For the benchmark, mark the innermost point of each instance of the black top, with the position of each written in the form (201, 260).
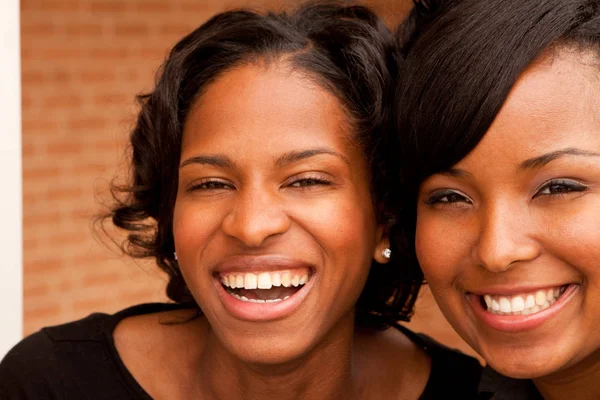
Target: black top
(495, 386)
(79, 361)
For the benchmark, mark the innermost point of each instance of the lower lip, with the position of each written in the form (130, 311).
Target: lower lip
(248, 311)
(521, 323)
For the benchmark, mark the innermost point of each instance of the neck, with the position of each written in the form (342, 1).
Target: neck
(326, 372)
(582, 381)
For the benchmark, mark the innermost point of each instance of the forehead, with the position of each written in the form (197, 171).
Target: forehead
(265, 104)
(554, 104)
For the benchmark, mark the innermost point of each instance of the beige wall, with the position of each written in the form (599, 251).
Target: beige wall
(82, 63)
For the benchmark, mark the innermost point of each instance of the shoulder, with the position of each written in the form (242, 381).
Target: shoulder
(29, 369)
(32, 369)
(63, 360)
(453, 373)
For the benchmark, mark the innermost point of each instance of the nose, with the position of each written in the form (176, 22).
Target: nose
(505, 238)
(256, 216)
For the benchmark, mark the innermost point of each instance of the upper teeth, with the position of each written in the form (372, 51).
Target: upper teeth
(523, 304)
(264, 280)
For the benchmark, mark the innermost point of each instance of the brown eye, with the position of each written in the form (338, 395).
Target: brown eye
(447, 197)
(210, 184)
(559, 187)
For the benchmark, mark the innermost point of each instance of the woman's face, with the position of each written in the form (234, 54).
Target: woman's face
(274, 224)
(509, 238)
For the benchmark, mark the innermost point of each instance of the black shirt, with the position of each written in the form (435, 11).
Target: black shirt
(79, 361)
(495, 386)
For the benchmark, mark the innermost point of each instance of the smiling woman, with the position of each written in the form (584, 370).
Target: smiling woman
(502, 165)
(253, 187)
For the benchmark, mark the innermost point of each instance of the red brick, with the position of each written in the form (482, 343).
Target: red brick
(98, 76)
(40, 173)
(42, 266)
(104, 6)
(113, 99)
(83, 29)
(89, 123)
(31, 126)
(176, 30)
(62, 194)
(131, 29)
(33, 77)
(48, 218)
(159, 7)
(36, 291)
(66, 101)
(65, 148)
(38, 29)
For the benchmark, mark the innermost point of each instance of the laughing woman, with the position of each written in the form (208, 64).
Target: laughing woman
(500, 125)
(252, 188)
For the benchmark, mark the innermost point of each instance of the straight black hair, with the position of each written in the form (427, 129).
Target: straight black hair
(461, 59)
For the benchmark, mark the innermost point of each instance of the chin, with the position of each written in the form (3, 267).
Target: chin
(269, 350)
(525, 363)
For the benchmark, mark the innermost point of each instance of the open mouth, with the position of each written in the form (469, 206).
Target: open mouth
(265, 287)
(524, 303)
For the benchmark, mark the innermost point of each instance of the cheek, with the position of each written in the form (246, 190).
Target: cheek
(344, 226)
(438, 250)
(193, 226)
(574, 237)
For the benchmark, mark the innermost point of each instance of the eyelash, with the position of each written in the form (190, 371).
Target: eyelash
(308, 181)
(564, 186)
(301, 183)
(437, 198)
(556, 187)
(210, 184)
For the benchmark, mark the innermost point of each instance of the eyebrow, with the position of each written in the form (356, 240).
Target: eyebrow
(295, 156)
(456, 173)
(222, 161)
(215, 160)
(540, 161)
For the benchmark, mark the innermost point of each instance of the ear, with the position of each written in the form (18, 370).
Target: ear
(383, 242)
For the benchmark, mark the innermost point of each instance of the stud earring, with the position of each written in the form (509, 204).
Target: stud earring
(386, 253)
(175, 255)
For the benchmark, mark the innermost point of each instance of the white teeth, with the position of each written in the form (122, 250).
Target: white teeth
(264, 281)
(540, 298)
(488, 300)
(244, 298)
(517, 304)
(276, 279)
(286, 279)
(495, 305)
(522, 304)
(239, 281)
(250, 281)
(529, 301)
(504, 304)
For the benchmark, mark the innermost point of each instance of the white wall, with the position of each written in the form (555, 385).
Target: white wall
(11, 292)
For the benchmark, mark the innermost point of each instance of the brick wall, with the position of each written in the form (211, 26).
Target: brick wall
(82, 63)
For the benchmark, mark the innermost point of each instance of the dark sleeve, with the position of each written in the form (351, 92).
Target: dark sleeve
(30, 370)
(454, 375)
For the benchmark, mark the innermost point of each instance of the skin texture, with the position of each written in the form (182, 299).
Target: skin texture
(315, 209)
(499, 226)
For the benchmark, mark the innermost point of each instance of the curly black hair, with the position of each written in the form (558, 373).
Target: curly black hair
(461, 58)
(346, 49)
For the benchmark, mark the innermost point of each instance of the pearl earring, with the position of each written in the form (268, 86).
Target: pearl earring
(386, 253)
(175, 255)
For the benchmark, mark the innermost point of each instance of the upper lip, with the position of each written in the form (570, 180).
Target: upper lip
(510, 290)
(260, 263)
